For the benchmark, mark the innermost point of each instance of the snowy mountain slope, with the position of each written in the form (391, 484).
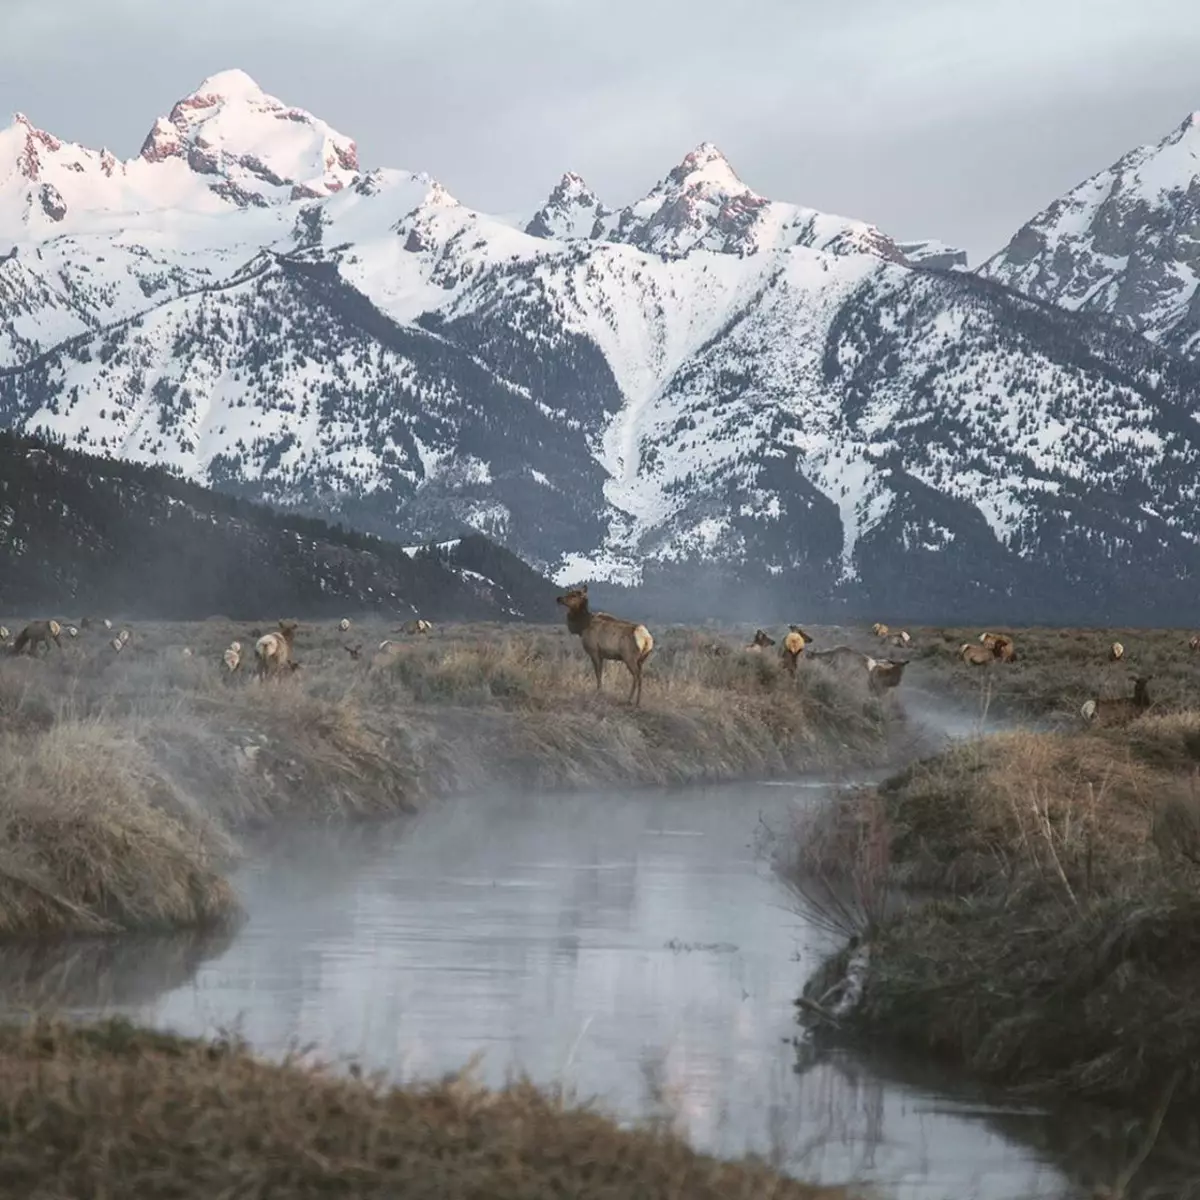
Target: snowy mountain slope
(703, 380)
(1125, 243)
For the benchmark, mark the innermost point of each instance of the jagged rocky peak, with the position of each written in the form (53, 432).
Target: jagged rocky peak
(571, 211)
(935, 254)
(703, 204)
(230, 127)
(1125, 242)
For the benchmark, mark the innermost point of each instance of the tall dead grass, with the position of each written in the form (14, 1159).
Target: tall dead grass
(125, 778)
(1042, 925)
(91, 841)
(115, 1111)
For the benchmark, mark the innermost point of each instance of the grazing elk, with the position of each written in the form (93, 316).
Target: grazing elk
(880, 630)
(843, 656)
(607, 638)
(1001, 646)
(420, 625)
(793, 647)
(273, 651)
(35, 635)
(903, 638)
(976, 656)
(1120, 710)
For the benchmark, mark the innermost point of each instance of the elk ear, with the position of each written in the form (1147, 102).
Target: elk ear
(583, 589)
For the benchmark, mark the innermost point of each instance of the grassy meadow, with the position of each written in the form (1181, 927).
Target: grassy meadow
(1027, 903)
(126, 777)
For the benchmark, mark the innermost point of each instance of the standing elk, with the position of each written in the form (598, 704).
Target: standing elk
(793, 647)
(607, 638)
(273, 651)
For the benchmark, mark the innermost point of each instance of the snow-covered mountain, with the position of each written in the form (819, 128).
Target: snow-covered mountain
(704, 383)
(1125, 243)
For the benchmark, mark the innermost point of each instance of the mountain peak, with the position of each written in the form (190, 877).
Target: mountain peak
(231, 84)
(572, 211)
(265, 150)
(706, 165)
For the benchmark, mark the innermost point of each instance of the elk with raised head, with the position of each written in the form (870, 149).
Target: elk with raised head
(761, 641)
(607, 638)
(273, 651)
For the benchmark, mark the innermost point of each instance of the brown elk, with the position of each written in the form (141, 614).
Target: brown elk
(420, 625)
(273, 651)
(842, 657)
(1001, 646)
(36, 634)
(793, 647)
(1194, 643)
(880, 630)
(1116, 652)
(354, 651)
(607, 638)
(761, 641)
(884, 675)
(232, 658)
(1120, 710)
(976, 656)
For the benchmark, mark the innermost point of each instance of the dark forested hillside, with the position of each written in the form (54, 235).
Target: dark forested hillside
(79, 532)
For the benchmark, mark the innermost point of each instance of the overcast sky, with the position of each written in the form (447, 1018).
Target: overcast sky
(943, 118)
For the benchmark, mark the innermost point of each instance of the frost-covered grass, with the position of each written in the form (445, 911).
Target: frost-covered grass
(113, 1110)
(126, 777)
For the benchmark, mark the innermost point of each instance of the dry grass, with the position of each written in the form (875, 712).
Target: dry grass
(1058, 669)
(90, 841)
(115, 1111)
(123, 777)
(1061, 946)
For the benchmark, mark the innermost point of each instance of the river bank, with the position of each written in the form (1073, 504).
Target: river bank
(1023, 904)
(110, 1109)
(127, 777)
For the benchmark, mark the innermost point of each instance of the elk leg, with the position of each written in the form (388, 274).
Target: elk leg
(598, 667)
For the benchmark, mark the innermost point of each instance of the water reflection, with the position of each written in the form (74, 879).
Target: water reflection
(634, 948)
(85, 975)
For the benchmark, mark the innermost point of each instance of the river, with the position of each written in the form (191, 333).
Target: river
(632, 946)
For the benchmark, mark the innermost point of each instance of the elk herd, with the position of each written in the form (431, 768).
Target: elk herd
(604, 638)
(273, 652)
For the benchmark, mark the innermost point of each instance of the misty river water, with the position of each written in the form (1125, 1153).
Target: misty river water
(632, 946)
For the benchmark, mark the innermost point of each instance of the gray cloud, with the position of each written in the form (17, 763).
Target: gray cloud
(945, 118)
